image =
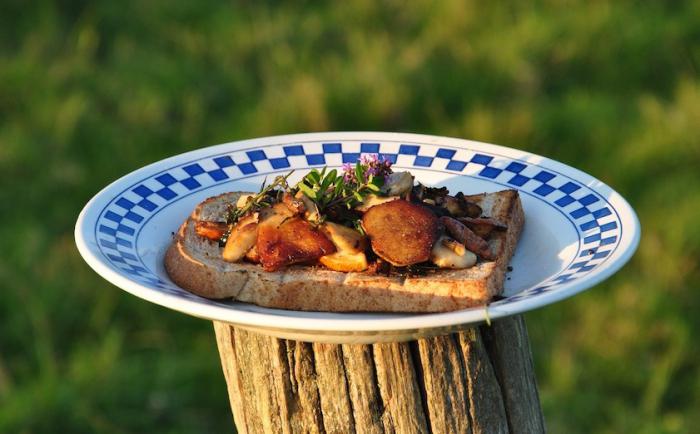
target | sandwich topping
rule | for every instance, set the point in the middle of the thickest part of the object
(367, 218)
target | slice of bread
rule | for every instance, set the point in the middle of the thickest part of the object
(195, 264)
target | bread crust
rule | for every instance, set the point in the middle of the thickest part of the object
(195, 264)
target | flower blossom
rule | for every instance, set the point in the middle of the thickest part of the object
(373, 164)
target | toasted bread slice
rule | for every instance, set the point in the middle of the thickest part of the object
(195, 264)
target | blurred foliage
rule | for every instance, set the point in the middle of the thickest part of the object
(92, 90)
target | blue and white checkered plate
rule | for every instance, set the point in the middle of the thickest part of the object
(578, 231)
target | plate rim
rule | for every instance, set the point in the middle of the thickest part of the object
(389, 324)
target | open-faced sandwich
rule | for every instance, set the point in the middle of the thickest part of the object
(366, 239)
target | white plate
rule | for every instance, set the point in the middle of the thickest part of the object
(578, 231)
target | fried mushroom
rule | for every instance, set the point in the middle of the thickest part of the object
(401, 232)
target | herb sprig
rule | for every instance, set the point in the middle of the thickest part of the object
(263, 199)
(322, 188)
(329, 189)
(332, 193)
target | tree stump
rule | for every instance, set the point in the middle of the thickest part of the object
(477, 381)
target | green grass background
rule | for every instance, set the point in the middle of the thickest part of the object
(92, 90)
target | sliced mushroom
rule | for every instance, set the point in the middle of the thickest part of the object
(465, 236)
(278, 211)
(241, 239)
(290, 240)
(472, 209)
(448, 253)
(398, 183)
(458, 206)
(401, 232)
(243, 200)
(350, 245)
(345, 261)
(311, 213)
(483, 226)
(252, 255)
(453, 245)
(421, 192)
(344, 238)
(373, 200)
(453, 206)
(212, 231)
(296, 206)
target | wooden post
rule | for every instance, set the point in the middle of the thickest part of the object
(477, 381)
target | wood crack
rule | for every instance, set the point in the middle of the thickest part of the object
(463, 370)
(509, 349)
(420, 378)
(314, 379)
(341, 363)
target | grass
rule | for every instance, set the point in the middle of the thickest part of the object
(92, 90)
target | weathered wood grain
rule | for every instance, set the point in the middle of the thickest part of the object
(509, 349)
(486, 410)
(226, 343)
(445, 385)
(478, 381)
(403, 406)
(299, 391)
(333, 389)
(365, 399)
(257, 385)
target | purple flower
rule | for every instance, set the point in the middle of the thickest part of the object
(369, 159)
(377, 166)
(374, 166)
(349, 173)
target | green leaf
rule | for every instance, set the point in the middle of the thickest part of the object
(378, 181)
(339, 186)
(359, 172)
(373, 187)
(307, 191)
(358, 226)
(314, 176)
(358, 196)
(328, 180)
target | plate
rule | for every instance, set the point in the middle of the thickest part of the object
(578, 231)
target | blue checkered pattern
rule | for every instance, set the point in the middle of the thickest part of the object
(120, 221)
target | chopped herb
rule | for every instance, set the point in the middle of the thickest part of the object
(332, 192)
(267, 196)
